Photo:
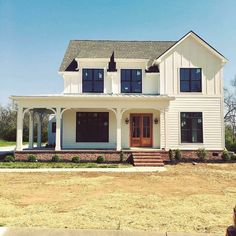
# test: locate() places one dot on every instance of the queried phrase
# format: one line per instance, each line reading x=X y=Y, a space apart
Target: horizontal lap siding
x=212 y=125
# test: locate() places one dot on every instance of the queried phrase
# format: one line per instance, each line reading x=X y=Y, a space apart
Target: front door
x=141 y=130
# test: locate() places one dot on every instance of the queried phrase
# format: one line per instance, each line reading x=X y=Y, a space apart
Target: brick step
x=149 y=164
x=148 y=160
x=146 y=153
x=147 y=157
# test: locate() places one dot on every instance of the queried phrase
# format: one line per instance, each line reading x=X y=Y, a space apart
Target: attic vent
x=112 y=64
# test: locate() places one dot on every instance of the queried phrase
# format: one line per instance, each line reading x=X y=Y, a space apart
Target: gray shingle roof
x=104 y=49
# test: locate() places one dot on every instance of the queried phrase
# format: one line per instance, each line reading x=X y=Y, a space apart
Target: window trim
x=190 y=92
x=131 y=80
x=77 y=128
x=93 y=79
x=180 y=129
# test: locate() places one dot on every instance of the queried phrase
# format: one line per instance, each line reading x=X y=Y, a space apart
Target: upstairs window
x=131 y=81
x=93 y=80
x=191 y=127
x=190 y=80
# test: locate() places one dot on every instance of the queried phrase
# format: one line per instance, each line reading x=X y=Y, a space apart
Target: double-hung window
x=191 y=127
x=93 y=80
x=190 y=80
x=131 y=81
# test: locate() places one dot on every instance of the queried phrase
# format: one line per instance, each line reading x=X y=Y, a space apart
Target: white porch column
x=164 y=128
x=39 y=130
x=58 y=129
x=19 y=134
x=118 y=129
x=31 y=129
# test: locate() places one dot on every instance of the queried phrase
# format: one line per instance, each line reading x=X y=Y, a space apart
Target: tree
x=230 y=115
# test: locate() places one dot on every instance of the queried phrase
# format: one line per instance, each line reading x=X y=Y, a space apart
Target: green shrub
x=55 y=158
x=233 y=157
x=76 y=159
x=225 y=156
x=100 y=159
x=9 y=158
x=171 y=156
x=177 y=155
x=121 y=156
x=32 y=158
x=201 y=153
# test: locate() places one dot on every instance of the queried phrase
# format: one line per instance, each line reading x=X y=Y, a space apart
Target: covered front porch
x=134 y=122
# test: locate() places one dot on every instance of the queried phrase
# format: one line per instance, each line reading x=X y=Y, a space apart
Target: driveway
x=9 y=149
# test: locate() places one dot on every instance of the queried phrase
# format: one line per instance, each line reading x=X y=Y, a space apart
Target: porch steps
x=147 y=159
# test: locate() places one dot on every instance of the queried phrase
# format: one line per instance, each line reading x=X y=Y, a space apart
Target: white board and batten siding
x=190 y=54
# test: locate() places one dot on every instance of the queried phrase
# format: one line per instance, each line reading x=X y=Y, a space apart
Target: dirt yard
x=185 y=198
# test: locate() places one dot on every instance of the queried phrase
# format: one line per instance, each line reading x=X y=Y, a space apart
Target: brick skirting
x=67 y=155
x=191 y=155
x=109 y=155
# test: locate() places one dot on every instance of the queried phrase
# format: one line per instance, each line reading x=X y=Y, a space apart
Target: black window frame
x=93 y=80
x=53 y=128
x=190 y=80
x=131 y=80
x=92 y=132
x=189 y=130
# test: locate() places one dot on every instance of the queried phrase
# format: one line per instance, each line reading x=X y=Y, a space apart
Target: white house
x=134 y=95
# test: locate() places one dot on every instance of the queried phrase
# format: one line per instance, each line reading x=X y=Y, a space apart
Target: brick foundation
x=191 y=155
x=109 y=155
x=67 y=155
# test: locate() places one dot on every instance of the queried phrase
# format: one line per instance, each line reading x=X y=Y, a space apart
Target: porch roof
x=83 y=96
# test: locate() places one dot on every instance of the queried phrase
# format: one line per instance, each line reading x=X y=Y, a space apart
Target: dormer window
x=131 y=81
x=93 y=80
x=190 y=80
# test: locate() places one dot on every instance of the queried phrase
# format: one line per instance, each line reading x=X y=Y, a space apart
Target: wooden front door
x=141 y=130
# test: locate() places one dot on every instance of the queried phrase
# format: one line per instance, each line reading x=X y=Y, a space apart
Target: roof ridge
x=114 y=40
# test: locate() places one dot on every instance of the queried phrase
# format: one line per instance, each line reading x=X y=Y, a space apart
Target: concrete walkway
x=111 y=170
x=68 y=232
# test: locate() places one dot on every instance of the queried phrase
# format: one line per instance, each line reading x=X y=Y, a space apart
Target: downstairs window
x=191 y=127
x=92 y=126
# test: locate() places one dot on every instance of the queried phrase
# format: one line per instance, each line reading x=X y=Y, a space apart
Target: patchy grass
x=21 y=164
x=4 y=143
x=185 y=198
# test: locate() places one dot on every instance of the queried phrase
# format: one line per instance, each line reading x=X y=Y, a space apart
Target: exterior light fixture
x=127 y=121
x=156 y=121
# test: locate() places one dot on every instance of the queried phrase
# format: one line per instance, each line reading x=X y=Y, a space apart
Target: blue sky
x=34 y=34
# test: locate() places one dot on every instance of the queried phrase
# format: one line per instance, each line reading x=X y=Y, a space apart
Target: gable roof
x=151 y=50
x=104 y=48
x=200 y=40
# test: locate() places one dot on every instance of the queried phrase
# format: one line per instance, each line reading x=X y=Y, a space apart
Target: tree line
x=8 y=122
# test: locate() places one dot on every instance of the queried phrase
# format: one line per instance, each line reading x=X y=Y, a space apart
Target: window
x=93 y=80
x=53 y=127
x=131 y=81
x=190 y=80
x=191 y=127
x=92 y=126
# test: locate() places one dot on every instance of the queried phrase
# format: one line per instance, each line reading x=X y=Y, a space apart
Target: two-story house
x=133 y=95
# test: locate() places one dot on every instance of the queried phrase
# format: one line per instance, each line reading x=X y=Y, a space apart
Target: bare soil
x=189 y=198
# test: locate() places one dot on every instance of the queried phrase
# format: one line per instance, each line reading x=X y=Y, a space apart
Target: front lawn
x=59 y=165
x=185 y=198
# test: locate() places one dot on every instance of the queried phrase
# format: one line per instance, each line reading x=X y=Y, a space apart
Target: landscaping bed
x=22 y=164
